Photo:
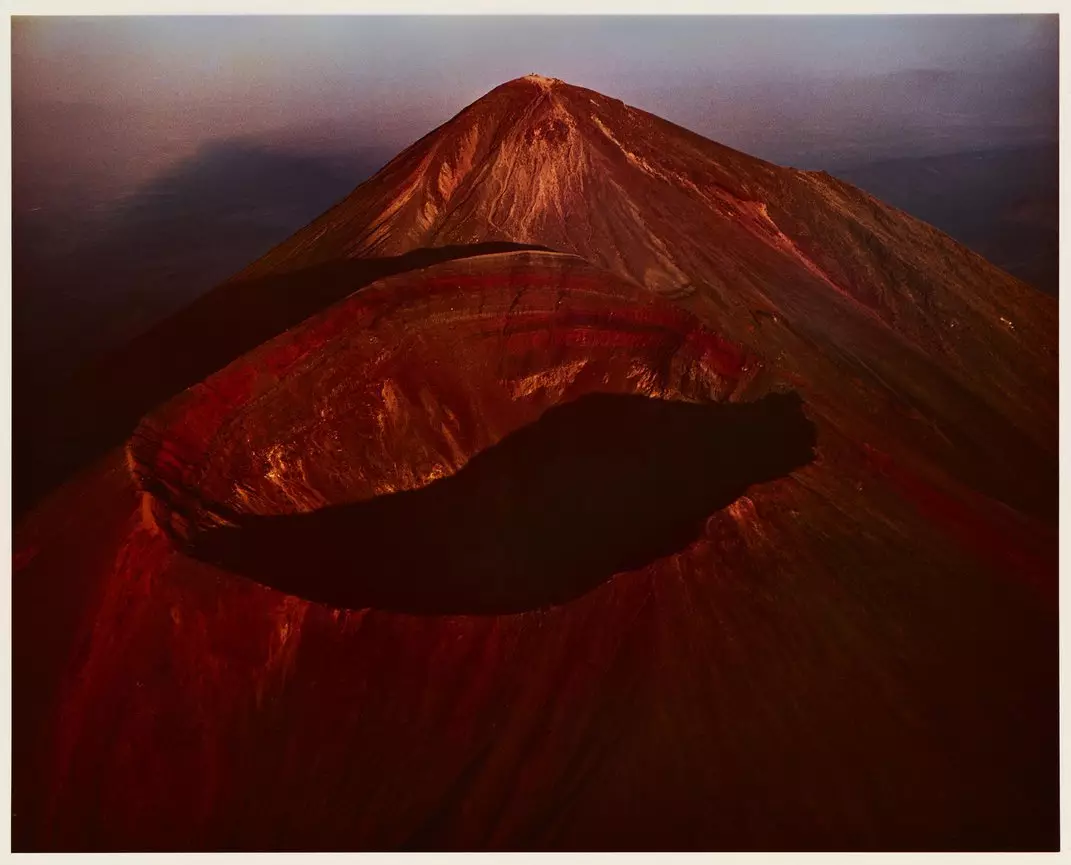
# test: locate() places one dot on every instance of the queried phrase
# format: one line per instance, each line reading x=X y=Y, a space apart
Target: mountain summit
x=575 y=483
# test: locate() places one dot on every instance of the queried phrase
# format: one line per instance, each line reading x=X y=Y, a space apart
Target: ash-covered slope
x=812 y=273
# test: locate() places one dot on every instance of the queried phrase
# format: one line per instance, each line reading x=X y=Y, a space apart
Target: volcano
x=575 y=483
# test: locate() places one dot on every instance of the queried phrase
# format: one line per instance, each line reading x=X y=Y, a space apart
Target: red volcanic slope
x=859 y=654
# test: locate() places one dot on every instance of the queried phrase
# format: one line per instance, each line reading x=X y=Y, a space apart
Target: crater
x=489 y=435
x=606 y=484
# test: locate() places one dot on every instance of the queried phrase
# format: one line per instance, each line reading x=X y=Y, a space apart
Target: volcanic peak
x=883 y=563
x=542 y=80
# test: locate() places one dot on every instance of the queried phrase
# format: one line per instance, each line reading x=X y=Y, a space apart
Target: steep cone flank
x=576 y=483
x=533 y=158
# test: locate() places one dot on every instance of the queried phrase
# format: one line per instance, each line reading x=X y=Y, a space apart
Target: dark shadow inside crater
x=605 y=484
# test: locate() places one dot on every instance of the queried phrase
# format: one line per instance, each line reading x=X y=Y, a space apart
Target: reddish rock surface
x=279 y=619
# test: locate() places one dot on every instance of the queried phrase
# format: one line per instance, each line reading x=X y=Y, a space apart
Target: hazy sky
x=113 y=101
x=314 y=63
